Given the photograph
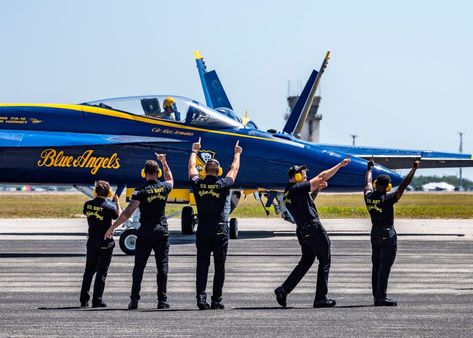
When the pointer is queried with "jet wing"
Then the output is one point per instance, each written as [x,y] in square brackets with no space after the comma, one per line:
[402,159]
[29,138]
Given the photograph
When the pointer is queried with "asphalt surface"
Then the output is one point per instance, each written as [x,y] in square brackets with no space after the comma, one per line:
[42,262]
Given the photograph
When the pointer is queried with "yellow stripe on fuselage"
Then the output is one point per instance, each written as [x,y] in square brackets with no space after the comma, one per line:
[132,117]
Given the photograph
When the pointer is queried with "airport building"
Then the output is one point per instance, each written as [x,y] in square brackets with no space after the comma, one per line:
[311,130]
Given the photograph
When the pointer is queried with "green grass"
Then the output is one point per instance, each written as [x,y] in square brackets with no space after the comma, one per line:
[412,205]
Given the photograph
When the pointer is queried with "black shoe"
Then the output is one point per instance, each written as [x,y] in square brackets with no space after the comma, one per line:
[162,304]
[202,302]
[84,304]
[217,305]
[281,295]
[327,302]
[99,304]
[133,305]
[385,302]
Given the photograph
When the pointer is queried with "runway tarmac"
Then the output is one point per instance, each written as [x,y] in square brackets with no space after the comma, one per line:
[42,262]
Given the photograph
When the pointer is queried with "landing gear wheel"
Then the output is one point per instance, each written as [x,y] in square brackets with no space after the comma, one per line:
[128,241]
[233,228]
[187,220]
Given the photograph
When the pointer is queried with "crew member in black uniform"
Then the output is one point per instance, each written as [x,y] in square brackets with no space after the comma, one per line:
[210,194]
[153,232]
[99,251]
[380,205]
[313,238]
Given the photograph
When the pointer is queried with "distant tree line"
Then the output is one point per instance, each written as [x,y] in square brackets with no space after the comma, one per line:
[419,181]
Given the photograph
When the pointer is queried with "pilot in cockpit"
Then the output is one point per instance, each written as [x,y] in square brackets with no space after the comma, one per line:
[170,110]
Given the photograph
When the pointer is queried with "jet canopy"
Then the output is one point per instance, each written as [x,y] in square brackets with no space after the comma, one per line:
[183,110]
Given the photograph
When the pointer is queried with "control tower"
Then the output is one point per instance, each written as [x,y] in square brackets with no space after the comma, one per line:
[311,130]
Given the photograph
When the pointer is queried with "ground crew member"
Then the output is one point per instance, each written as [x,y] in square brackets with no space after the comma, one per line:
[211,193]
[313,238]
[99,251]
[153,232]
[380,205]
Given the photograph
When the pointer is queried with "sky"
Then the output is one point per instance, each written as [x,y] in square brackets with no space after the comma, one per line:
[400,74]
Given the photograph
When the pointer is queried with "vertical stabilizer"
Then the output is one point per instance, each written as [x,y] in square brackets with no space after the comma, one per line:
[298,115]
[215,96]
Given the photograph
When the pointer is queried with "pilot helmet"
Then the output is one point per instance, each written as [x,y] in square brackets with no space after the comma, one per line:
[169,102]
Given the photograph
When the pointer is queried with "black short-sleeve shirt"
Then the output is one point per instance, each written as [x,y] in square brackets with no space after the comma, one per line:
[381,207]
[299,202]
[152,196]
[99,216]
[210,195]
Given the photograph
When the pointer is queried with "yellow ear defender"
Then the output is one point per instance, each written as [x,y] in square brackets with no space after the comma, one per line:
[143,173]
[388,188]
[298,177]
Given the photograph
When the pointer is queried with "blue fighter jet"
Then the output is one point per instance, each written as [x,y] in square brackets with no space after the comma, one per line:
[111,139]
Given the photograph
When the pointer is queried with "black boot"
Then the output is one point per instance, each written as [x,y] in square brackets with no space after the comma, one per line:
[217,304]
[281,295]
[327,302]
[385,302]
[98,303]
[162,304]
[133,305]
[202,302]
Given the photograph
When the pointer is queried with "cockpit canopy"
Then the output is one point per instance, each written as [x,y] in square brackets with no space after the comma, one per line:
[184,110]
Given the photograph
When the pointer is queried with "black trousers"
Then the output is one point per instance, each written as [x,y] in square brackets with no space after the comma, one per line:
[384,248]
[315,243]
[99,256]
[209,242]
[156,239]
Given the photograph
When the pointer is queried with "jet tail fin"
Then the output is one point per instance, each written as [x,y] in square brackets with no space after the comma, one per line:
[215,96]
[298,115]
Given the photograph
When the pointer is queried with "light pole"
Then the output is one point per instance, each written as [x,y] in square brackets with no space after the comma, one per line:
[353,136]
[461,150]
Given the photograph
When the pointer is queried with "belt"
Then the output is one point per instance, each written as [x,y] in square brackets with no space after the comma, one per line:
[311,224]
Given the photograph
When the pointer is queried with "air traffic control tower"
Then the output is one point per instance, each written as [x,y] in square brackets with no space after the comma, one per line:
[311,130]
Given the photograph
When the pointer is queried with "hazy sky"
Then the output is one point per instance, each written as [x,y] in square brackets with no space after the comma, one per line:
[400,74]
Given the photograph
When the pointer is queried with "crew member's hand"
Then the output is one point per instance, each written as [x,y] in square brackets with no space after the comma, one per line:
[345,162]
[108,234]
[196,145]
[115,198]
[416,164]
[370,163]
[161,157]
[238,149]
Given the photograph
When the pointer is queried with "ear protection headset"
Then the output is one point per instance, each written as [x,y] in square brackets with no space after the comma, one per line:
[143,173]
[109,194]
[298,177]
[219,168]
[388,187]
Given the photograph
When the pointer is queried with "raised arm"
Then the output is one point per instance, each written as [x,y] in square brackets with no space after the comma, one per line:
[167,171]
[116,199]
[319,186]
[233,172]
[192,170]
[369,176]
[407,180]
[328,174]
[129,210]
